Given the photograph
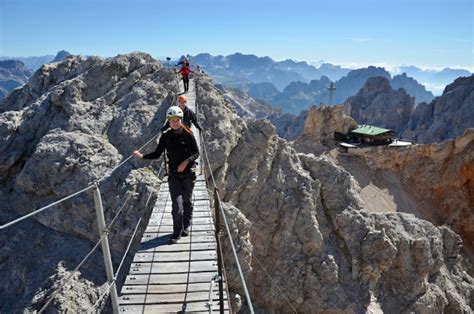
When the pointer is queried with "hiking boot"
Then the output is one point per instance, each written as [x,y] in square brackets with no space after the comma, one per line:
[185,232]
[174,240]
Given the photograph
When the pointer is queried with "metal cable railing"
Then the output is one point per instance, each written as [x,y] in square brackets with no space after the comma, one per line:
[11,223]
[110,285]
[247,295]
[85,258]
[232,244]
[230,237]
[103,231]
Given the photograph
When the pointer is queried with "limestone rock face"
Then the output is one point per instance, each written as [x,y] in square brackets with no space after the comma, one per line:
[378,104]
[69,126]
[320,124]
[447,116]
[301,219]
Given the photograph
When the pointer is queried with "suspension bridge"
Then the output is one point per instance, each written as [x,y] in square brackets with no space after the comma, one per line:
[185,277]
[180,277]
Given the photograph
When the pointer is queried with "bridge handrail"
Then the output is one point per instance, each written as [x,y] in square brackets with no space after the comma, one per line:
[110,285]
[90,186]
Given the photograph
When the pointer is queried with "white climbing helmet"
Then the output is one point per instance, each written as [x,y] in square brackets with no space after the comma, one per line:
[174,112]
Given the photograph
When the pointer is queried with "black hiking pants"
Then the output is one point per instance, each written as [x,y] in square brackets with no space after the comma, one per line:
[181,190]
[186,83]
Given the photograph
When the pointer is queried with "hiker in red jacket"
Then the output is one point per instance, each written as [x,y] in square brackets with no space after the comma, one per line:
[185,70]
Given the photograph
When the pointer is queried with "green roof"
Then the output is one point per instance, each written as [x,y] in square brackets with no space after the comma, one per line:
[370,130]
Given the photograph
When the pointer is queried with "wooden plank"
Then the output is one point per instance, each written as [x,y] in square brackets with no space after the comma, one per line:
[176,288]
[195,307]
[169,278]
[163,238]
[169,229]
[190,307]
[167,298]
[169,221]
[175,256]
[176,267]
[178,247]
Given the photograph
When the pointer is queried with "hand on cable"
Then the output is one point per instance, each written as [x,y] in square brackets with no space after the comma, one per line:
[183,165]
[137,153]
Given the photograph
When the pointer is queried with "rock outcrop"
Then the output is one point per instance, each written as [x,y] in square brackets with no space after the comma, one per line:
[301,219]
[320,124]
[70,125]
[378,104]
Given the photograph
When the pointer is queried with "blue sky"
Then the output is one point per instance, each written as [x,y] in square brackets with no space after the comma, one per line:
[426,33]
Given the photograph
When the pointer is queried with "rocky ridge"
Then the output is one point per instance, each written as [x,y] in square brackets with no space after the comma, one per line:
[67,127]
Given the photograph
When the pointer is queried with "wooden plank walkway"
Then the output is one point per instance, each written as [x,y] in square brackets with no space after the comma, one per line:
[178,277]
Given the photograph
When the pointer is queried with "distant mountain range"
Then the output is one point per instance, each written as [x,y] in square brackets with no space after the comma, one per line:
[14,72]
[434,80]
[298,96]
[36,62]
[237,70]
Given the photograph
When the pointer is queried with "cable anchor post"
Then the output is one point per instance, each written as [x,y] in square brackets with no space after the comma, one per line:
[103,233]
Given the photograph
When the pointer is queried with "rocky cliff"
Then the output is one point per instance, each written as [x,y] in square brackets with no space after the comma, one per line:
[67,127]
[378,104]
[301,218]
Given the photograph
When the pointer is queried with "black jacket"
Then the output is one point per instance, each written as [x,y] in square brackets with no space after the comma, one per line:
[188,117]
[179,147]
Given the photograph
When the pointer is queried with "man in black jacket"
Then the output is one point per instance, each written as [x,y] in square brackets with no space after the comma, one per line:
[188,115]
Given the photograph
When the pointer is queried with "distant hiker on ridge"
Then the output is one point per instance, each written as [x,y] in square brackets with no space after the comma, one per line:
[185,70]
[182,62]
[188,115]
